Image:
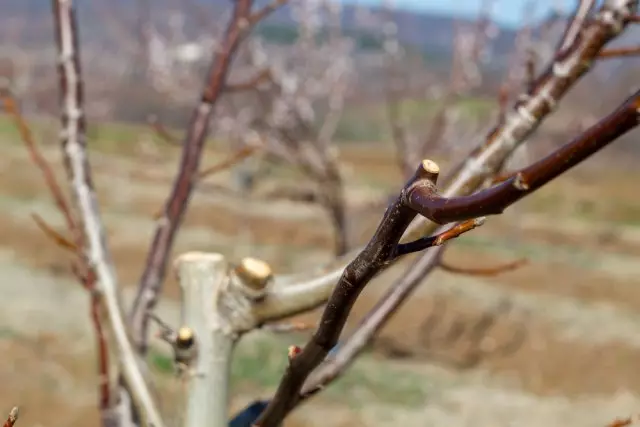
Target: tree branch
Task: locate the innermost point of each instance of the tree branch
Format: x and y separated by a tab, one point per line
79	173
483	271
492	201
202	278
388	304
176	204
419	195
533	108
621	52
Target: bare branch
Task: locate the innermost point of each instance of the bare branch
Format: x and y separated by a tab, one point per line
82	270
229	162
494	200
483	271
621	52
11	107
162	131
531	110
260	77
79	173
419	195
176	204
397	294
440	238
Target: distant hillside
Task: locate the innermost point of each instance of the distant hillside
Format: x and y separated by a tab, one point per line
432	34
429	33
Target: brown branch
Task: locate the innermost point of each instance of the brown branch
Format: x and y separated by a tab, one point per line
374	258
12	418
176	204
621	422
484	271
532	109
438	239
492	201
154	273
11	106
419	195
162	131
57	238
280	328
75	245
261	77
621	52
635	19
388	304
229	162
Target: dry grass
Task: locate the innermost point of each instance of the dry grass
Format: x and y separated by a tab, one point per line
573	217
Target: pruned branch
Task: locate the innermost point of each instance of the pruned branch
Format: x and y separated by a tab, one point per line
419	195
492	201
203	278
78	170
374	258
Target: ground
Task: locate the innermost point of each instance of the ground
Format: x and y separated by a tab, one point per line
576	300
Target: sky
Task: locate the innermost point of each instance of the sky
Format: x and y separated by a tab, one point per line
507	12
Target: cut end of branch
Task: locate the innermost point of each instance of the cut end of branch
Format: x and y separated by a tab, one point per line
195	256
185	338
430	166
254	273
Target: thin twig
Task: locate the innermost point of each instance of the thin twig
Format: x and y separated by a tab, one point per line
621	52
11	107
162	131
229	162
81	269
483	271
260	77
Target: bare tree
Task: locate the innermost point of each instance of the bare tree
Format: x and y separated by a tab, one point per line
296	106
222	301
